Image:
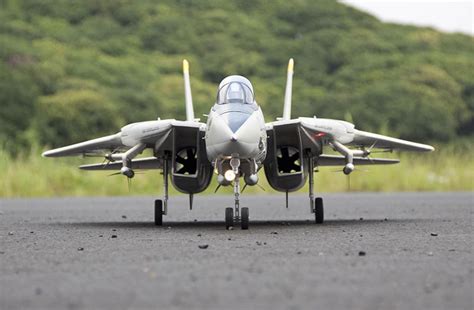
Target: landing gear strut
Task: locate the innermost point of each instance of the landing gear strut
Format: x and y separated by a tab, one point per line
235	215
316	204
161	205
236	198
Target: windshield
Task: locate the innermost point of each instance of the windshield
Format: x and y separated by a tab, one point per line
235	89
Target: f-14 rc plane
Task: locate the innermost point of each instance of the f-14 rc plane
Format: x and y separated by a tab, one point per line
235	144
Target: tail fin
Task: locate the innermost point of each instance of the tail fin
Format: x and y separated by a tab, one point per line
187	92
288	91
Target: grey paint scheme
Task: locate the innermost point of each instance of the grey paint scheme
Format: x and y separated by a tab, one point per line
236	130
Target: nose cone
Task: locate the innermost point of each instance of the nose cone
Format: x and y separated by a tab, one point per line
235	120
233	133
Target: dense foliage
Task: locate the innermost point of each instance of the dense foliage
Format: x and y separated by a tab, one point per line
73	70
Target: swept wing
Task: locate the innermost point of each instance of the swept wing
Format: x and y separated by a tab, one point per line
338	160
99	145
368	139
137	164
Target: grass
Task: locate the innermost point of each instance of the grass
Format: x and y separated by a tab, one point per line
449	168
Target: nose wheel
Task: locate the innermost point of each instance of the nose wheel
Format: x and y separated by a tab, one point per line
229	218
237	214
243	219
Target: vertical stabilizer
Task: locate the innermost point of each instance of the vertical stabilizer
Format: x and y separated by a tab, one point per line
288	91
187	92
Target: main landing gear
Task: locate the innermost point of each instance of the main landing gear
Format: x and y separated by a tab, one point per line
316	204
158	212
318	210
161	205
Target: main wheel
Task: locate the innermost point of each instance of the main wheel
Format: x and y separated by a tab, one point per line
158	212
244	221
318	210
229	217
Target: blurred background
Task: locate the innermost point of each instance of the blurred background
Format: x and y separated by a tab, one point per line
76	70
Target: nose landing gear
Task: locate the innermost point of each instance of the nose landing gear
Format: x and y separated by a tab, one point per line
237	215
230	219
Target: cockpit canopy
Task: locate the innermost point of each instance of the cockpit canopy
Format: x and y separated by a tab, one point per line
235	89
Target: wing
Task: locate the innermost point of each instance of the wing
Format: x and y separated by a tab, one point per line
368	139
338	160
154	134
99	145
139	164
314	132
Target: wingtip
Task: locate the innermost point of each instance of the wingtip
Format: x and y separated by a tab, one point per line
46	154
429	148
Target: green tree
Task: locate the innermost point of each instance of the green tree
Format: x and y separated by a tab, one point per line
72	116
18	94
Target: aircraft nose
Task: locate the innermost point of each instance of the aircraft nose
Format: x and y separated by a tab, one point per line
235	120
237	133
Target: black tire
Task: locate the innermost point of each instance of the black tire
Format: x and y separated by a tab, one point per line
244	221
318	210
158	212
229	217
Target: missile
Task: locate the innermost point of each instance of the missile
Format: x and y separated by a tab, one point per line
251	179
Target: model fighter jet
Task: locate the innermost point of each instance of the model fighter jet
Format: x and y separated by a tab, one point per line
235	144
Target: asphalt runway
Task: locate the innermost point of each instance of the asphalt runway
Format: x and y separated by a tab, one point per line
105	253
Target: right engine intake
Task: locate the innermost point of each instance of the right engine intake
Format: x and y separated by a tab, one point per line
284	168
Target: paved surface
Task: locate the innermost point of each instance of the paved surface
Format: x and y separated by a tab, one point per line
62	254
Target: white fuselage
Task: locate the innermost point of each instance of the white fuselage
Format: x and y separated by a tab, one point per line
236	130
